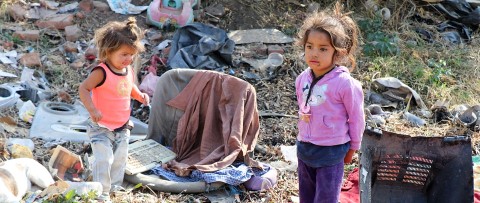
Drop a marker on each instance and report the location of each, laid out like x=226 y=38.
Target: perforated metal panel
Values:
x=401 y=168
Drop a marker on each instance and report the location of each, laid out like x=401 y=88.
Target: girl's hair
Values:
x=343 y=32
x=111 y=36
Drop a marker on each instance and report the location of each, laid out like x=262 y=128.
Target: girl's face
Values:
x=319 y=52
x=122 y=57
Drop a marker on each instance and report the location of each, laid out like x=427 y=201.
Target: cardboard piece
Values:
x=65 y=165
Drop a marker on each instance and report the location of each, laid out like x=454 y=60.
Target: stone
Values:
x=70 y=47
x=260 y=49
x=86 y=5
x=72 y=33
x=59 y=21
x=63 y=96
x=216 y=10
x=275 y=49
x=28 y=35
x=17 y=12
x=101 y=6
x=91 y=53
x=77 y=64
x=31 y=59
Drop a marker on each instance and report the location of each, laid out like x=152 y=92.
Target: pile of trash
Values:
x=389 y=101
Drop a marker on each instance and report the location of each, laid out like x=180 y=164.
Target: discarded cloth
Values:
x=349 y=192
x=163 y=120
x=234 y=174
x=200 y=46
x=476 y=196
x=220 y=123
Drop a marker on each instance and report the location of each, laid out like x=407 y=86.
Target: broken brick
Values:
x=70 y=47
x=275 y=49
x=101 y=6
x=31 y=60
x=28 y=35
x=86 y=5
x=72 y=33
x=59 y=21
x=260 y=49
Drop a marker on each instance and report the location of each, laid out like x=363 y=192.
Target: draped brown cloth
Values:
x=220 y=123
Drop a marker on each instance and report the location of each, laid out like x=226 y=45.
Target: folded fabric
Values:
x=350 y=192
x=234 y=174
x=262 y=182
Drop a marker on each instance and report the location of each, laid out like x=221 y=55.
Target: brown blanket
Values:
x=220 y=123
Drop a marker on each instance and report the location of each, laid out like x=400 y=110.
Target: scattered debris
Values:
x=66 y=165
x=125 y=7
x=267 y=36
x=163 y=13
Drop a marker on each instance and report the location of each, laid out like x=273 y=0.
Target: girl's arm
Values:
x=136 y=93
x=93 y=79
x=140 y=96
x=353 y=101
x=349 y=156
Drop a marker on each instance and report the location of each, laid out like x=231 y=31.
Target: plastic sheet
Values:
x=200 y=46
x=125 y=7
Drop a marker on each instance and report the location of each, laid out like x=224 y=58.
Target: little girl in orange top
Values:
x=106 y=94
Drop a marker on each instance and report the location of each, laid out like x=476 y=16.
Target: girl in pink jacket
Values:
x=330 y=104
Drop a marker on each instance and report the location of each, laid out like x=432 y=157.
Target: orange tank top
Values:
x=112 y=97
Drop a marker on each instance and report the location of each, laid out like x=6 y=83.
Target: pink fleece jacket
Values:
x=336 y=108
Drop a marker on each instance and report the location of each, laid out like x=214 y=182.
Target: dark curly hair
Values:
x=114 y=34
x=343 y=32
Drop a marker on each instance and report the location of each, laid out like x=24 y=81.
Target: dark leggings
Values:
x=319 y=185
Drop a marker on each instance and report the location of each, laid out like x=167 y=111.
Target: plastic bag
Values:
x=149 y=83
x=27 y=111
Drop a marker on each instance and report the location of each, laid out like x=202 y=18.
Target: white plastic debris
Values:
x=27 y=111
x=164 y=44
x=24 y=142
x=413 y=119
x=289 y=154
x=5 y=74
x=8 y=57
x=125 y=7
x=8 y=96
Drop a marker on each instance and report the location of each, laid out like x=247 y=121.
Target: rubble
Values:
x=29 y=35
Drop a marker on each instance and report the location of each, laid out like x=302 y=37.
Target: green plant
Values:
x=89 y=196
x=290 y=30
x=72 y=197
x=439 y=70
x=377 y=42
x=9 y=37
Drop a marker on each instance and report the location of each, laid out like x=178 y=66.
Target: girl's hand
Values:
x=146 y=99
x=349 y=156
x=96 y=115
